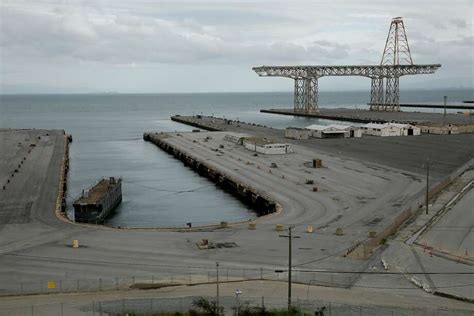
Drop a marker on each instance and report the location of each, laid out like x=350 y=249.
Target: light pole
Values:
x=237 y=301
x=217 y=285
x=290 y=237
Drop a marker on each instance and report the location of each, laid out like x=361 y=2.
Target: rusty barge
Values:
x=96 y=203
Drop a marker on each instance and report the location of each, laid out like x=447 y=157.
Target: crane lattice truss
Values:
x=384 y=93
x=306 y=81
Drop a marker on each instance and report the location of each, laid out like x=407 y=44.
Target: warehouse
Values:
x=407 y=129
x=266 y=146
x=297 y=133
x=390 y=129
x=381 y=129
x=354 y=131
x=328 y=131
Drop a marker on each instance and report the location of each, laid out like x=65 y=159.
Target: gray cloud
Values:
x=238 y=34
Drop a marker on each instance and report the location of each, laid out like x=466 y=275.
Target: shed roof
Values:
x=317 y=127
x=341 y=126
x=376 y=125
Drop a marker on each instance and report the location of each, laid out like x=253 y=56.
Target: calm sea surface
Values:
x=157 y=189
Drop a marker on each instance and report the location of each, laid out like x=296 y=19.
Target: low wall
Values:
x=259 y=201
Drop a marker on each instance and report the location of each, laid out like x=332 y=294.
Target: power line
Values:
x=238 y=269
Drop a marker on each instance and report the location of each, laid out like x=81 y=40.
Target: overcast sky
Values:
x=210 y=46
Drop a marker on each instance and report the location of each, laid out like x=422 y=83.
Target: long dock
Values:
x=366 y=116
x=258 y=201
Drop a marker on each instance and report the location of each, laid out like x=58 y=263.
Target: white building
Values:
x=381 y=129
x=334 y=131
x=297 y=133
x=354 y=131
x=407 y=129
x=326 y=131
x=390 y=129
x=266 y=146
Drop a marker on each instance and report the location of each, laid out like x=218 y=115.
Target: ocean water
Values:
x=157 y=189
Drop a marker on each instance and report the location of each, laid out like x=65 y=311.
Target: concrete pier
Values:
x=447 y=152
x=258 y=201
x=366 y=116
x=33 y=186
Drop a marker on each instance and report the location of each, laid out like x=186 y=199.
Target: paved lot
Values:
x=453 y=232
x=446 y=152
x=358 y=195
x=442 y=247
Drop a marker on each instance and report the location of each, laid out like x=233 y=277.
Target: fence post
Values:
x=93 y=309
x=263 y=302
x=100 y=308
x=190 y=278
x=227 y=270
x=261 y=273
x=208 y=276
x=77 y=285
x=62 y=309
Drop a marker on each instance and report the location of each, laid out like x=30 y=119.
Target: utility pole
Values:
x=427 y=183
x=290 y=237
x=217 y=284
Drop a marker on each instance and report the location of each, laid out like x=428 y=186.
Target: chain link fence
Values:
x=158 y=306
x=53 y=285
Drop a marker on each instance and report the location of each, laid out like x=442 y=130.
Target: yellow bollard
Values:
x=75 y=243
x=339 y=231
x=310 y=229
x=252 y=226
x=279 y=227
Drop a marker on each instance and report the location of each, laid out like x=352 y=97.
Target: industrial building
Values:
x=297 y=133
x=390 y=129
x=266 y=146
x=334 y=131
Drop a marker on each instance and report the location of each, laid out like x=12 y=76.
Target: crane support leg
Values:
x=306 y=95
x=392 y=94
x=376 y=94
